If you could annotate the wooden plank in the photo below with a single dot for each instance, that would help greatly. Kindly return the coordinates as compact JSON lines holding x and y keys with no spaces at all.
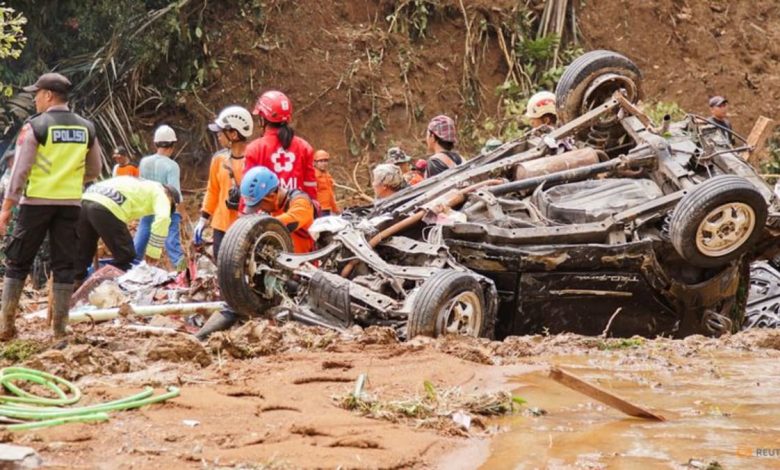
{"x":762,"y":130}
{"x":597,"y":393}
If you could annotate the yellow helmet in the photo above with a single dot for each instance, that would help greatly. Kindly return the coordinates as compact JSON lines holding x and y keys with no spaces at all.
{"x":540,"y":104}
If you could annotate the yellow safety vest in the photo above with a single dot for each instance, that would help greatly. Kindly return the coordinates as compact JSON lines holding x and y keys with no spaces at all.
{"x":64,"y":139}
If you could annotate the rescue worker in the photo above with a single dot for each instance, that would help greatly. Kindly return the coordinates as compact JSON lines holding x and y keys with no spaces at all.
{"x":106,"y":209}
{"x":325,"y":194}
{"x":387,"y":180}
{"x":161,"y":168}
{"x":403,"y":161}
{"x":719,"y":112}
{"x":262,"y":191}
{"x":279,"y":149}
{"x":223,"y":190}
{"x":57,"y":152}
{"x":441,"y":138}
{"x":542,"y":113}
{"x":419,"y":169}
{"x":123,"y":166}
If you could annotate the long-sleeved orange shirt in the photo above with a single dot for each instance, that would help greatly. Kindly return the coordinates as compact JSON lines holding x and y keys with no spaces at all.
{"x":325,"y":195}
{"x":297,"y":214}
{"x":217,"y":189}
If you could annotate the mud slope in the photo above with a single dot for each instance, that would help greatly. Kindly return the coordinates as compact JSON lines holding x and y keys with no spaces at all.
{"x":690,"y":50}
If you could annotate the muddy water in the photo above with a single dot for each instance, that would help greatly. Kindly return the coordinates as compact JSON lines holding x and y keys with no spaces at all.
{"x":722,"y":407}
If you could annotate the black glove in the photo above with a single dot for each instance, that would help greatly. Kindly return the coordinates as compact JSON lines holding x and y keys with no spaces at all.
{"x":234,"y":197}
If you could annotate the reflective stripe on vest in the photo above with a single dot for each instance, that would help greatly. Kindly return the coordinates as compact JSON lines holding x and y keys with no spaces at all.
{"x":58,"y":172}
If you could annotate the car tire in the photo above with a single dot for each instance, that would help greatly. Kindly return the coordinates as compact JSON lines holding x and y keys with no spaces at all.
{"x":448,"y":293}
{"x":243,"y":241}
{"x":574,"y":95}
{"x":724,"y":206}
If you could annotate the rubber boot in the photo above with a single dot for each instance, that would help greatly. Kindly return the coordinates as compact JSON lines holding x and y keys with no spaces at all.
{"x":218,"y":321}
{"x":12,"y":291}
{"x":61,"y":294}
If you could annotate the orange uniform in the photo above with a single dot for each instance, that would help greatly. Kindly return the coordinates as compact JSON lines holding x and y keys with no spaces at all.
{"x":413,"y":177}
{"x":297,"y":214}
{"x":325,"y":195}
{"x":217,"y":189}
{"x":127,"y":170}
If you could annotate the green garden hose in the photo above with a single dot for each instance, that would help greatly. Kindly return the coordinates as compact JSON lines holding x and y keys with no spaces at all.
{"x":46,"y":412}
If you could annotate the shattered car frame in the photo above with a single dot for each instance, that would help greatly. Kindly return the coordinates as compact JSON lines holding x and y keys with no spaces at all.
{"x":637,"y":228}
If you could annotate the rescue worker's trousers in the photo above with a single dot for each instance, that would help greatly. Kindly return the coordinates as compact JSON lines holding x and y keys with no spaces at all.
{"x":32,"y":225}
{"x":97,"y":222}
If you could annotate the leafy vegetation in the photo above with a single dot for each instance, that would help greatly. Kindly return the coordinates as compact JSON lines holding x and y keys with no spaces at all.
{"x":12,"y":39}
{"x":19,"y":350}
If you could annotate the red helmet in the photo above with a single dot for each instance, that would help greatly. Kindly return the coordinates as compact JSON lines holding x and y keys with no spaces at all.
{"x":273,"y":106}
{"x":421,"y":165}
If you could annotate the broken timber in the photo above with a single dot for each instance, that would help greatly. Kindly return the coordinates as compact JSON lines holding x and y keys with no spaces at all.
{"x":757,"y":139}
{"x":597,"y":393}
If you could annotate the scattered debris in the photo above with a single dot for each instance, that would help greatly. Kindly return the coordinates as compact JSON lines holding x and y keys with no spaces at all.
{"x":19,"y":457}
{"x":597,"y":393}
{"x":191,"y":423}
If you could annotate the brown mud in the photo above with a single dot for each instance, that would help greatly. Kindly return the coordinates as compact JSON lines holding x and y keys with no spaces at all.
{"x":274,"y":401}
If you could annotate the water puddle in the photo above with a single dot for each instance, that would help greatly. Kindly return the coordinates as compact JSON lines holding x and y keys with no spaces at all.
{"x":719,"y":408}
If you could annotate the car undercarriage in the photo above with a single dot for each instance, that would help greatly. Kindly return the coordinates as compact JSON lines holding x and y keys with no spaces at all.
{"x":608,"y":224}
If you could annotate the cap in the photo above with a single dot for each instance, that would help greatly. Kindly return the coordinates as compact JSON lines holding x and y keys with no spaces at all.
{"x":50,"y":81}
{"x":388,"y":175}
{"x":397,"y":155}
{"x":120,"y":150}
{"x":421,"y":165}
{"x":321,"y":155}
{"x":716,"y":101}
{"x":443,"y":127}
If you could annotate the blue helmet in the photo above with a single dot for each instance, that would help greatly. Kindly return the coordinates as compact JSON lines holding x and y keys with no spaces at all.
{"x":258,"y":183}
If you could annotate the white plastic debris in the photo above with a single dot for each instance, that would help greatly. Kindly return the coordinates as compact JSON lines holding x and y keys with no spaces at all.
{"x":144,"y":276}
{"x":190,"y":422}
{"x":462,"y":419}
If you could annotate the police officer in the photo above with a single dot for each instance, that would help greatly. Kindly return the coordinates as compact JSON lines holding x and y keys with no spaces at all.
{"x":57,"y":152}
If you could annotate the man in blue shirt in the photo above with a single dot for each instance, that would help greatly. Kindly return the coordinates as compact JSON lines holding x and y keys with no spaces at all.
{"x":159,"y":167}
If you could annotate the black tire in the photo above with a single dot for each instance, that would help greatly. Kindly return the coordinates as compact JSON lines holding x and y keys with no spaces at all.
{"x":243,"y":240}
{"x":432,"y":303}
{"x":686,"y":230}
{"x":570,"y":94}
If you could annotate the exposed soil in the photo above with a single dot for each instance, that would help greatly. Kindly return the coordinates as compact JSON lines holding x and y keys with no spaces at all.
{"x":267,"y":395}
{"x":692,"y":50}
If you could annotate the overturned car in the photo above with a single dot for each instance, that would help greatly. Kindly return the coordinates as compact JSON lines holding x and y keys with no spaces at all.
{"x":631,"y":227}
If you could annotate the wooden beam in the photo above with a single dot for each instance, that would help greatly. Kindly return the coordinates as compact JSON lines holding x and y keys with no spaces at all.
{"x":762,"y":130}
{"x":597,"y":393}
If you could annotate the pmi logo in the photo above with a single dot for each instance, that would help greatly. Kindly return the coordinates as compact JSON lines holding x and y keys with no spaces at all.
{"x":768,"y":452}
{"x":68,"y":136}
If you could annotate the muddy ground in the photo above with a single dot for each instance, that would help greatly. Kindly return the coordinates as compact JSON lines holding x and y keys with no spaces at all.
{"x":267,"y":396}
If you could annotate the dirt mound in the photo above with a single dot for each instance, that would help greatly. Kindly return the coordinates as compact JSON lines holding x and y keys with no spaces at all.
{"x":261,"y":338}
{"x":80,"y":360}
{"x":690,"y":51}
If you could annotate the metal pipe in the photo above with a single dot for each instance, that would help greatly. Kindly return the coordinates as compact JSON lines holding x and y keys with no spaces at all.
{"x":561,"y":177}
{"x":565,"y":161}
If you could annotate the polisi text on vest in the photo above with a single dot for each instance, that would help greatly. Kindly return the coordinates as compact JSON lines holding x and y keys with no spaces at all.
{"x":68,"y":136}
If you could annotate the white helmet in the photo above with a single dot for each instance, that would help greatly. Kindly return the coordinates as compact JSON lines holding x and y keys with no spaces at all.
{"x":164,"y":135}
{"x":236,"y":118}
{"x":540,"y":104}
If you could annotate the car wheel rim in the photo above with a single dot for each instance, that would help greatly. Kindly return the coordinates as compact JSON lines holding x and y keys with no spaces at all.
{"x":265,"y":249}
{"x":725,"y":229}
{"x":462,"y":315}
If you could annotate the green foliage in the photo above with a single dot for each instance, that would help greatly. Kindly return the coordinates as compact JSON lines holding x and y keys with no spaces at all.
{"x":621,"y":343}
{"x":411,"y":17}
{"x":657,"y":111}
{"x":19,"y":350}
{"x":772,"y":164}
{"x":12,"y":39}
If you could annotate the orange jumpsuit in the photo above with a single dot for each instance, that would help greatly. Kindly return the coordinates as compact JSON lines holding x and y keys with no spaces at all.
{"x":217,"y":189}
{"x":297,"y":214}
{"x":127,"y":170}
{"x":325,"y":195}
